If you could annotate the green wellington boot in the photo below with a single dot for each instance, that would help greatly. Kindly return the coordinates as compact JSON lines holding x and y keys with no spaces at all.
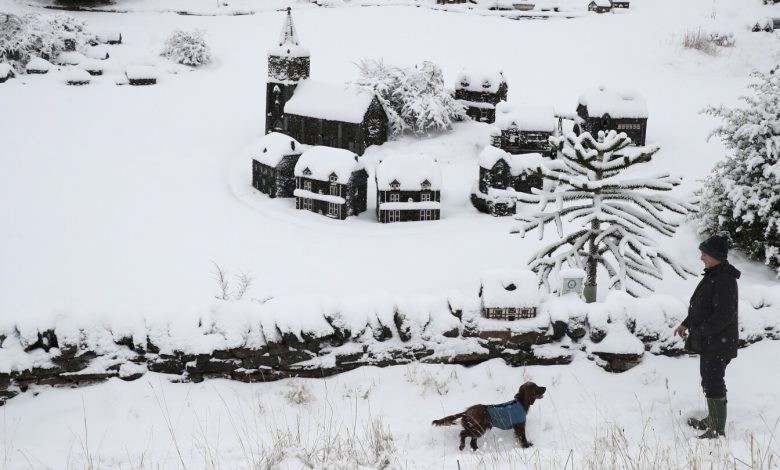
{"x":716,"y":420}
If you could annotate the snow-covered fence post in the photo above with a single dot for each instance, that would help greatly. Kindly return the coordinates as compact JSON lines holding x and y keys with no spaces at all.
{"x":614,"y":214}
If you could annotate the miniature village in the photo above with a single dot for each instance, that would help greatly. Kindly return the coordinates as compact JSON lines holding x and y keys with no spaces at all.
{"x":316,"y":133}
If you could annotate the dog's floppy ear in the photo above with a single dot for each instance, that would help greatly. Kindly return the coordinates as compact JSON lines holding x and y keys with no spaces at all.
{"x":522,"y":392}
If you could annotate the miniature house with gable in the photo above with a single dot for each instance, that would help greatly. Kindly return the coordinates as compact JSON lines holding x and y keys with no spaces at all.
{"x":604,"y":110}
{"x":408,"y":189}
{"x":509,"y":294}
{"x":524,"y":128}
{"x":273,"y":164}
{"x":480,"y":93}
{"x":317,"y":113}
{"x":621,"y":3}
{"x":501,"y":176}
{"x":600,"y":6}
{"x":330,"y":182}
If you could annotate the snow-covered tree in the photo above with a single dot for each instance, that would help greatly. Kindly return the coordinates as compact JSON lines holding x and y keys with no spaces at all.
{"x":187,"y":48}
{"x":612,"y":214}
{"x":742,"y":194}
{"x":415,"y":99}
{"x":25,"y":37}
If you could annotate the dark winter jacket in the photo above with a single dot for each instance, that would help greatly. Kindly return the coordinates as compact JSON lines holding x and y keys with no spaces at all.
{"x":712,"y":313}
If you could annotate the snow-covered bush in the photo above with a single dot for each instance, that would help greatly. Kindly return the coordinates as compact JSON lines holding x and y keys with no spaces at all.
{"x":414,"y":98}
{"x":187,"y":47}
{"x":742,"y":194}
{"x":700,"y":41}
{"x":723,"y":39}
{"x":23,"y":38}
{"x":298,"y":393}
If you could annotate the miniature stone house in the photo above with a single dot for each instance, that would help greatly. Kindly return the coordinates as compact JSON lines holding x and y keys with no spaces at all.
{"x":480,"y":93}
{"x":604,"y":110}
{"x":501,"y":176}
{"x":600,"y":6}
{"x":621,"y":4}
{"x":315,"y":113}
{"x":6,"y":72}
{"x":330,"y":182}
{"x":408,"y":189}
{"x":524,"y":128}
{"x":509,"y":294}
{"x":273,"y":165}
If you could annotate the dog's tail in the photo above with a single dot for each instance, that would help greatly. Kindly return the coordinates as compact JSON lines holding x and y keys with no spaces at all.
{"x":448,"y":421}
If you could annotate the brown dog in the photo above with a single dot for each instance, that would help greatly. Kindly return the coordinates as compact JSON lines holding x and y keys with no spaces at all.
{"x":477,"y":419}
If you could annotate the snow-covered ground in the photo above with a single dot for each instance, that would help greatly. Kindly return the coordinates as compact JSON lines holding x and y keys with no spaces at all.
{"x":587,"y":419}
{"x":115,"y":200}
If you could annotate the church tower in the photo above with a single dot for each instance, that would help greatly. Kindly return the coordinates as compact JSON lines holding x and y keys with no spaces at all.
{"x":288,"y":64}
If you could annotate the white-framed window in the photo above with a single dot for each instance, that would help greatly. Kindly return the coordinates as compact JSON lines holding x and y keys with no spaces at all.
{"x":333,"y":178}
{"x":425,"y":185}
{"x":307,"y":185}
{"x":483,"y":114}
{"x":333,"y":209}
{"x":395,"y":198}
{"x":306,"y":203}
{"x":395,"y":185}
{"x":426,"y":214}
{"x":425,"y":197}
{"x":334,"y":190}
{"x":393,"y":216}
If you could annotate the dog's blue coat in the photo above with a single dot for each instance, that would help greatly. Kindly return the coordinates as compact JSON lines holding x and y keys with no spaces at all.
{"x":506,"y":415}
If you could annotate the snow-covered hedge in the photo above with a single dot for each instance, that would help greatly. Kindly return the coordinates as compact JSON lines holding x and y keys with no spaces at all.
{"x":25,"y":37}
{"x":187,"y":48}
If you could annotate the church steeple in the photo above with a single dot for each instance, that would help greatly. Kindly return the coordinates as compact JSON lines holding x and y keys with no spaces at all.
{"x":289,"y":35}
{"x":288,"y":64}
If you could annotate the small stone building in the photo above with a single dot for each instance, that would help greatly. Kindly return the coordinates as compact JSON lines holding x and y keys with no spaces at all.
{"x":501,"y":176}
{"x":273,"y":164}
{"x":315,"y":113}
{"x":408,"y":189}
{"x":509,"y":294}
{"x":330,"y":182}
{"x":141,"y":75}
{"x":604,"y":110}
{"x":524,"y":128}
{"x":480,"y":93}
{"x":600,"y":6}
{"x":6,"y":72}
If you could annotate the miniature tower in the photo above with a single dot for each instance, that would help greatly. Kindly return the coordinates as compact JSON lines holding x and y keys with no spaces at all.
{"x":288,"y":64}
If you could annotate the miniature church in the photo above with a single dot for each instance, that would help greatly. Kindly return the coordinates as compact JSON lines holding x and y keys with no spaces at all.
{"x":315,"y":113}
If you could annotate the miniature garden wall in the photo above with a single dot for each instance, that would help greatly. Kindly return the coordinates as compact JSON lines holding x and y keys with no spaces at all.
{"x":252,"y":341}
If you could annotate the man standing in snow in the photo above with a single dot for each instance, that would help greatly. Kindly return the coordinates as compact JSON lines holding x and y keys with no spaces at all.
{"x":711,"y":329}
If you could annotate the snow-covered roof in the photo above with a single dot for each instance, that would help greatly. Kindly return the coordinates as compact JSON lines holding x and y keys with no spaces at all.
{"x":77,"y":76}
{"x":108,"y":36}
{"x":92,"y":65}
{"x":324,"y":161}
{"x":288,"y":44}
{"x":97,"y":52}
{"x":524,"y":163}
{"x":70,"y":58}
{"x":472,"y":80}
{"x":328,"y":101}
{"x":602,"y":3}
{"x":410,"y":171}
{"x":616,"y":103}
{"x":141,"y":72}
{"x":517,"y":288}
{"x":271,"y":148}
{"x":5,"y":70}
{"x":526,"y":117}
{"x":38,"y":65}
